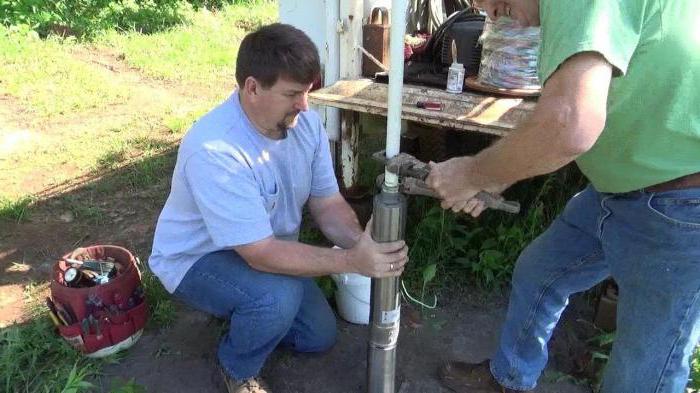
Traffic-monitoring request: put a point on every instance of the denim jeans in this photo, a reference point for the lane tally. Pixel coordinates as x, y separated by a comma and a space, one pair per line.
650, 244
265, 310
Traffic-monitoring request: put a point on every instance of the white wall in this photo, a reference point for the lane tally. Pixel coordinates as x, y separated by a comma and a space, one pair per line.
313, 18
307, 15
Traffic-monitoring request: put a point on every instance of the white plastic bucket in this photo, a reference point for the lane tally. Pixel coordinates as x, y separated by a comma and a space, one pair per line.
352, 297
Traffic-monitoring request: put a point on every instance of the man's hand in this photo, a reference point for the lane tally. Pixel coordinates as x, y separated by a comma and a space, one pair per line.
453, 180
378, 260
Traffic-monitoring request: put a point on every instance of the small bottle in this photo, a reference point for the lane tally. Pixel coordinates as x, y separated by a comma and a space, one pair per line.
455, 76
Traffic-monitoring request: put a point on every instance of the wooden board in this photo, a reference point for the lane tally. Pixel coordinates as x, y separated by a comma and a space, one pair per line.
467, 111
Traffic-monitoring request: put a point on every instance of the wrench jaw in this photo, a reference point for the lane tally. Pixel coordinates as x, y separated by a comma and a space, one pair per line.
413, 172
413, 186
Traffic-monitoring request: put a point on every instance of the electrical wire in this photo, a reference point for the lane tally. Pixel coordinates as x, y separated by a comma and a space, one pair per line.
509, 55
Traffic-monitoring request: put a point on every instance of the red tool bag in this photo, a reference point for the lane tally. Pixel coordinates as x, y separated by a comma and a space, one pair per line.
105, 318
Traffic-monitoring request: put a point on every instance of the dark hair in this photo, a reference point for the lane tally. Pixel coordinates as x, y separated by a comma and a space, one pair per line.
277, 50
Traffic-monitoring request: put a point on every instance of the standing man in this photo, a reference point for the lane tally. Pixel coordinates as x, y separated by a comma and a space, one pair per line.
621, 97
226, 240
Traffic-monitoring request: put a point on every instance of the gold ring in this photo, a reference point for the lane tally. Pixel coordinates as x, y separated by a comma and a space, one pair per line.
391, 266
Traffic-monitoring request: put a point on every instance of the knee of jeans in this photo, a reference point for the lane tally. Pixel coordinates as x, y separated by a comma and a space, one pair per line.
526, 270
325, 336
285, 298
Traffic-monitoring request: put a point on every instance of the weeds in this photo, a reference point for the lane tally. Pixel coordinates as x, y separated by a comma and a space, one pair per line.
128, 387
15, 210
482, 252
34, 359
76, 380
104, 128
600, 347
161, 306
694, 382
86, 19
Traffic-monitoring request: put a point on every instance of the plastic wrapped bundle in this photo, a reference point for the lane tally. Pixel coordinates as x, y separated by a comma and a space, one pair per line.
509, 56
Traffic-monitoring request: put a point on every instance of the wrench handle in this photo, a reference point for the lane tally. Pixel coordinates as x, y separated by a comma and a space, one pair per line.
497, 203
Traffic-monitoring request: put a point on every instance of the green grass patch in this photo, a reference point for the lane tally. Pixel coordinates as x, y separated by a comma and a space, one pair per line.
160, 304
15, 210
88, 18
48, 81
97, 122
694, 382
33, 358
204, 50
467, 252
149, 171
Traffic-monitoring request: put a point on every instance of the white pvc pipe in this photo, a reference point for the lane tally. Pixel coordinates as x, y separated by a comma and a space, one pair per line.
332, 64
393, 118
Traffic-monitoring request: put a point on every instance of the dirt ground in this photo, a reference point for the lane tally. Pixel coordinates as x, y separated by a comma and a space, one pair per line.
182, 358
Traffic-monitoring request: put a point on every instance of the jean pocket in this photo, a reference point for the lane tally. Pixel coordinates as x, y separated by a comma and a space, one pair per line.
677, 208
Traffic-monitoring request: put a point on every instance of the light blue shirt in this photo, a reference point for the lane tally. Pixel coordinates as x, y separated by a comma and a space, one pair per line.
233, 186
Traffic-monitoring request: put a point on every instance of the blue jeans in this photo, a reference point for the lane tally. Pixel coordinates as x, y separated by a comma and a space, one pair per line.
265, 310
650, 244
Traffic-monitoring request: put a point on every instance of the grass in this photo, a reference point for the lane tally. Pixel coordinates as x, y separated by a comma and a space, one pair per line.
48, 81
34, 359
91, 119
15, 209
201, 51
694, 383
481, 252
88, 122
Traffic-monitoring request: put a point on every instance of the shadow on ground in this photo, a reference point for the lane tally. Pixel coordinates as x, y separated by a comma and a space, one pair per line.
117, 206
121, 207
182, 359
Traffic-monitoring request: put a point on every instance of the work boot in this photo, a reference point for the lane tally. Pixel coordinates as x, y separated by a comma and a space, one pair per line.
472, 378
247, 385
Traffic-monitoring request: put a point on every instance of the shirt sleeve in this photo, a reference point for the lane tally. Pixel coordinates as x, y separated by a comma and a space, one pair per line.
609, 27
323, 181
228, 199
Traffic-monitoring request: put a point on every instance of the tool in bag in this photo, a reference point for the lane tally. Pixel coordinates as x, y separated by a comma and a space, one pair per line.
97, 303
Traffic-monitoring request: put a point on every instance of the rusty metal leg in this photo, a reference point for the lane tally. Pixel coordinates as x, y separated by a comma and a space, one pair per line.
349, 148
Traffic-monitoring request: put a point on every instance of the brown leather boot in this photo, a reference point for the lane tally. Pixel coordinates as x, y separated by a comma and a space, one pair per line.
248, 385
472, 378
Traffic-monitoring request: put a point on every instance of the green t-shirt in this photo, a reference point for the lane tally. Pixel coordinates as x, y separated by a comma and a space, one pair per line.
652, 133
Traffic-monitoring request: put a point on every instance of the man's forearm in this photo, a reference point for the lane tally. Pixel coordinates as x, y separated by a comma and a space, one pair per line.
342, 229
337, 220
523, 154
293, 258
567, 121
